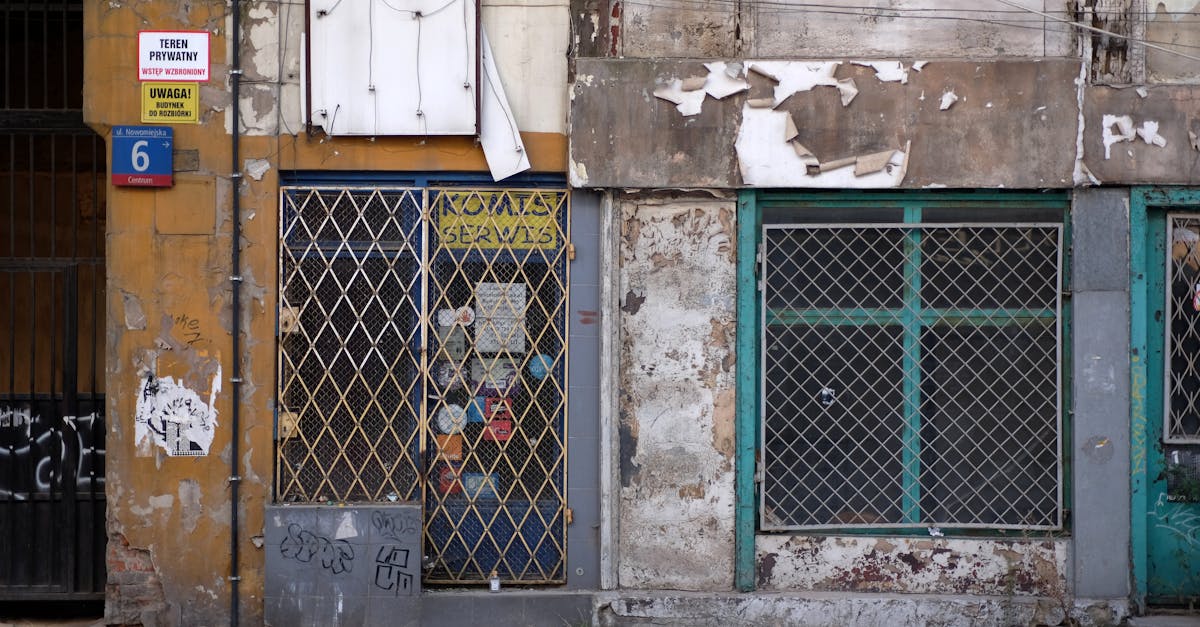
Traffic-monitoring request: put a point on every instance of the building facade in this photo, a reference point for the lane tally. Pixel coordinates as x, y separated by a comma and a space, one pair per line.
705, 312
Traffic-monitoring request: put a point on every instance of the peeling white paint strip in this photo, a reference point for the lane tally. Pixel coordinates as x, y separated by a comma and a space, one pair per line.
887, 71
174, 417
796, 76
256, 168
579, 174
670, 93
501, 140
724, 79
765, 161
688, 103
346, 528
848, 90
1124, 131
948, 99
1081, 175
1149, 134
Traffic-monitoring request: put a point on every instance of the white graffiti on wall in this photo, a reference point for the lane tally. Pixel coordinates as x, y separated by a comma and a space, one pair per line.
15, 416
174, 417
1178, 519
34, 454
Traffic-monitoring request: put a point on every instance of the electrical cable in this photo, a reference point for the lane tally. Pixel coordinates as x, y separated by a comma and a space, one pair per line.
419, 13
1100, 31
776, 7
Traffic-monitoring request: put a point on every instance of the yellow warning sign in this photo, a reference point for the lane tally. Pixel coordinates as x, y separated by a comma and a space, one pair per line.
170, 103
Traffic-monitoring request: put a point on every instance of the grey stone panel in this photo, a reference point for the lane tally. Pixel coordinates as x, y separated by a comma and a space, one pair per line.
1100, 518
331, 565
1100, 240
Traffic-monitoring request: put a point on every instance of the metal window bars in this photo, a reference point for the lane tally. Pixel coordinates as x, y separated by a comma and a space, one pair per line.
423, 356
1182, 395
911, 376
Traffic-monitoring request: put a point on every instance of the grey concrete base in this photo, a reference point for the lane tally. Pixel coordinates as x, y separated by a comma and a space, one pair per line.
1165, 620
511, 607
836, 609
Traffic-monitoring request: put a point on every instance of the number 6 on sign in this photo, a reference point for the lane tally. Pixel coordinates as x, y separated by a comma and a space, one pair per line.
142, 155
141, 160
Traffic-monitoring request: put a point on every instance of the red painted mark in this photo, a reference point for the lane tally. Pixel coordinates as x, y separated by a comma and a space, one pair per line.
588, 317
614, 30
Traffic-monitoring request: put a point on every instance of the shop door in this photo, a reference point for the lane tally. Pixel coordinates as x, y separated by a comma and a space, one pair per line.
423, 346
1172, 443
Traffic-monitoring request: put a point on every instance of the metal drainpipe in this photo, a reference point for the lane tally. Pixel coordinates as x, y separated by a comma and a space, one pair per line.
235, 279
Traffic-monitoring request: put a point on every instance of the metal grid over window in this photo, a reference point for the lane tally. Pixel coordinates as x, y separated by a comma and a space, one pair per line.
350, 389
911, 375
1182, 411
498, 328
423, 356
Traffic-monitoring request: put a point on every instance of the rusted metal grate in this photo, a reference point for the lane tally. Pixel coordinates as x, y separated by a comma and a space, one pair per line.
911, 376
423, 343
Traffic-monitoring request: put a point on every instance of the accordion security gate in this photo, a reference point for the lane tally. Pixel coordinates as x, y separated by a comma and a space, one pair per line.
423, 344
910, 375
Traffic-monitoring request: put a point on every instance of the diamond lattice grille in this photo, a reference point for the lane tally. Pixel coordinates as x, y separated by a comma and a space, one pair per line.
498, 308
1182, 414
350, 384
911, 376
423, 355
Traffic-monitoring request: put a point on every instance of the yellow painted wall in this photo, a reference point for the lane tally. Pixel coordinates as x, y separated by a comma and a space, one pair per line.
168, 255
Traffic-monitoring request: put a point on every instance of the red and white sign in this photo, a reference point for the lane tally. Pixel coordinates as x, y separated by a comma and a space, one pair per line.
173, 55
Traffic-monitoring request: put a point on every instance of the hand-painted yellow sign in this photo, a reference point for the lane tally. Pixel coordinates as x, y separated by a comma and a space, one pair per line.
170, 103
496, 219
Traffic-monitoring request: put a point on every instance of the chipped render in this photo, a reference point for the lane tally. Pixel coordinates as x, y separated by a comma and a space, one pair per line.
1124, 131
948, 100
765, 161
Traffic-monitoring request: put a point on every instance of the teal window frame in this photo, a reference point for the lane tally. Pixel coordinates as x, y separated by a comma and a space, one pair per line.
751, 205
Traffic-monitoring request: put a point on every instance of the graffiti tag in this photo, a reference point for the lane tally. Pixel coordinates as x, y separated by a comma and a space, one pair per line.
336, 556
35, 453
391, 570
396, 526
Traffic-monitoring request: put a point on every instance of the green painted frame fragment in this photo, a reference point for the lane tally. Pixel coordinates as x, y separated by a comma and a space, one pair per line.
746, 421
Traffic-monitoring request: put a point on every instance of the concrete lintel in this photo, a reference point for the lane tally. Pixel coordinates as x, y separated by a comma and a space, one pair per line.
1161, 145
1014, 124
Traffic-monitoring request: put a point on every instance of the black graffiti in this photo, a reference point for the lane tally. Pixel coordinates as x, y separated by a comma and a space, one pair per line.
190, 328
391, 569
396, 526
301, 545
150, 390
34, 453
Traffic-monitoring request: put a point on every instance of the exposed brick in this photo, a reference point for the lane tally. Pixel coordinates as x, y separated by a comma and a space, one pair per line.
133, 590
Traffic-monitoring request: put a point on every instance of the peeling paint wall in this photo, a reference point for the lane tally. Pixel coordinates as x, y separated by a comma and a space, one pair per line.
1172, 21
862, 123
1025, 566
677, 394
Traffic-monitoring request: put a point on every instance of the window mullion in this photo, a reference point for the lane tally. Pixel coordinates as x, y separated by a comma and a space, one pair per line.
911, 367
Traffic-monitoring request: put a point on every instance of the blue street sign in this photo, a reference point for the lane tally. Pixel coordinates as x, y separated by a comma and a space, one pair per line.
142, 156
